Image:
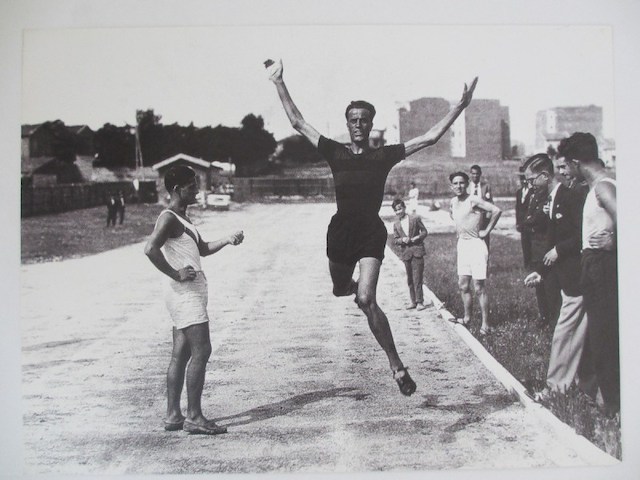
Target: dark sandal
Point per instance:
(405, 382)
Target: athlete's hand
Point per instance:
(603, 241)
(467, 93)
(237, 238)
(550, 257)
(186, 274)
(274, 70)
(483, 233)
(533, 279)
(406, 240)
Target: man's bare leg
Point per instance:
(464, 283)
(483, 300)
(378, 322)
(342, 278)
(200, 345)
(175, 376)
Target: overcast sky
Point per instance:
(214, 75)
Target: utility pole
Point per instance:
(139, 164)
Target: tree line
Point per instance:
(248, 147)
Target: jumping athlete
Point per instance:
(356, 233)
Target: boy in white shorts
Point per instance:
(467, 212)
(175, 248)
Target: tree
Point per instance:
(298, 150)
(252, 147)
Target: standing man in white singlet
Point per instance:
(467, 211)
(599, 276)
(175, 248)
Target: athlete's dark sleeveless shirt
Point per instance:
(359, 178)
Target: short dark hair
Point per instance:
(360, 104)
(459, 174)
(540, 162)
(476, 167)
(580, 146)
(178, 176)
(396, 202)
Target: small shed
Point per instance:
(208, 173)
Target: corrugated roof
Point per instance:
(188, 158)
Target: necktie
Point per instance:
(475, 192)
(549, 202)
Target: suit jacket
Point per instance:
(522, 205)
(565, 234)
(416, 228)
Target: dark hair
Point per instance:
(459, 174)
(396, 202)
(476, 167)
(360, 104)
(178, 176)
(579, 146)
(539, 162)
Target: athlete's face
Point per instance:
(566, 169)
(188, 192)
(400, 210)
(359, 124)
(459, 186)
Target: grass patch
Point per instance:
(520, 345)
(83, 232)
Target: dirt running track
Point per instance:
(295, 373)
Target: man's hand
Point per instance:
(467, 93)
(533, 279)
(483, 233)
(274, 70)
(603, 241)
(237, 238)
(550, 257)
(406, 240)
(186, 274)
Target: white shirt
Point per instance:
(552, 197)
(404, 223)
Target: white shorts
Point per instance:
(187, 301)
(472, 258)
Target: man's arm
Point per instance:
(275, 69)
(434, 134)
(209, 248)
(606, 196)
(422, 231)
(166, 228)
(490, 208)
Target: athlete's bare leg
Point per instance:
(200, 345)
(175, 376)
(483, 301)
(366, 300)
(342, 278)
(464, 283)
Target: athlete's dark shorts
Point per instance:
(350, 238)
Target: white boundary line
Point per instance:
(583, 447)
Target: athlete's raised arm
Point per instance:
(274, 70)
(434, 134)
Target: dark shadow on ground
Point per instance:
(287, 406)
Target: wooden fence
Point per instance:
(74, 196)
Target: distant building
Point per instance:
(481, 133)
(37, 141)
(554, 124)
(84, 139)
(208, 173)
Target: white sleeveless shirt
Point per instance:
(595, 218)
(183, 250)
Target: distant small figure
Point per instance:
(409, 233)
(112, 208)
(120, 206)
(414, 193)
